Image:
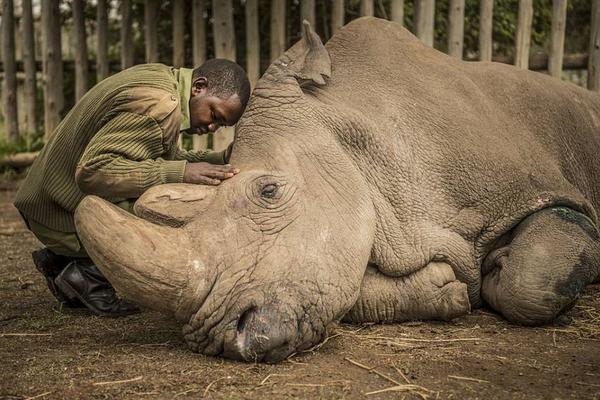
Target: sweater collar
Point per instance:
(184, 83)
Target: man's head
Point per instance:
(220, 92)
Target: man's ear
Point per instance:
(198, 85)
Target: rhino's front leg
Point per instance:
(549, 259)
(429, 293)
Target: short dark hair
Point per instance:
(225, 78)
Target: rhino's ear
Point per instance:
(309, 61)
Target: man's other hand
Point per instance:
(207, 174)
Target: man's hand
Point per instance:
(207, 174)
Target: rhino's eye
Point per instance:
(268, 191)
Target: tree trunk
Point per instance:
(337, 15)
(29, 67)
(456, 29)
(199, 52)
(524, 33)
(81, 53)
(52, 66)
(486, 11)
(224, 36)
(424, 20)
(557, 42)
(307, 12)
(126, 35)
(252, 42)
(151, 8)
(366, 8)
(178, 33)
(102, 40)
(397, 12)
(9, 87)
(594, 60)
(277, 28)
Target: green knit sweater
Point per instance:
(117, 142)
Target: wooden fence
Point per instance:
(52, 65)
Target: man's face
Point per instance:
(209, 111)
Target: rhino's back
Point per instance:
(480, 136)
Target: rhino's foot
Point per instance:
(430, 293)
(549, 259)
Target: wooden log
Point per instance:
(30, 84)
(178, 33)
(278, 42)
(102, 40)
(199, 55)
(425, 21)
(52, 66)
(594, 60)
(456, 28)
(126, 35)
(307, 12)
(151, 11)
(252, 42)
(19, 160)
(366, 8)
(524, 33)
(337, 15)
(557, 42)
(224, 36)
(81, 52)
(9, 83)
(397, 11)
(486, 10)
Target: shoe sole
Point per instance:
(73, 295)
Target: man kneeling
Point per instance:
(117, 142)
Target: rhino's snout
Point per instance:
(263, 334)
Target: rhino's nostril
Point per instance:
(244, 319)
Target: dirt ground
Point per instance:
(46, 353)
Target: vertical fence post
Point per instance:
(307, 12)
(126, 35)
(102, 40)
(337, 15)
(224, 36)
(366, 8)
(9, 84)
(81, 52)
(52, 66)
(252, 42)
(486, 10)
(424, 20)
(29, 67)
(594, 59)
(151, 8)
(277, 29)
(456, 28)
(199, 55)
(557, 43)
(524, 33)
(397, 11)
(178, 33)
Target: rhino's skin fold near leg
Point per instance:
(542, 271)
(430, 293)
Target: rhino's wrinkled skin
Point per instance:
(381, 181)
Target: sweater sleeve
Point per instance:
(213, 157)
(123, 159)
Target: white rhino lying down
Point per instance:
(381, 181)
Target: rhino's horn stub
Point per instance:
(148, 263)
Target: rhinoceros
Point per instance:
(381, 181)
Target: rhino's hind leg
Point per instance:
(549, 259)
(430, 293)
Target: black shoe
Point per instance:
(51, 265)
(83, 281)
